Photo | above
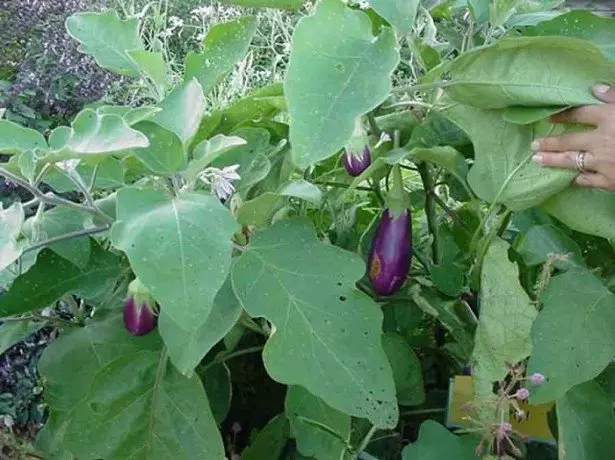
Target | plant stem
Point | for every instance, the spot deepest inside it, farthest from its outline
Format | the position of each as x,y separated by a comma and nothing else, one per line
51,198
235,354
367,439
397,105
456,217
422,412
412,88
373,125
249,324
342,185
67,236
376,189
430,210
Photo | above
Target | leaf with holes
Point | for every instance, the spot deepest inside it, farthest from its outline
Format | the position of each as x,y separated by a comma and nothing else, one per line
327,334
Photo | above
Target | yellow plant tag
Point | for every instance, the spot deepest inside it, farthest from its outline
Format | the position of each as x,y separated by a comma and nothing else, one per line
535,426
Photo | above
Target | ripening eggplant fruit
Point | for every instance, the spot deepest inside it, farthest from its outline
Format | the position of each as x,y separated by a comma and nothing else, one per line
357,155
391,252
355,163
140,310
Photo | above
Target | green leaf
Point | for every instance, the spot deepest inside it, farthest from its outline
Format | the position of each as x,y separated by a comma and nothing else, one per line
483,78
138,406
225,45
182,110
407,371
323,325
165,153
448,278
585,210
582,24
131,115
283,4
539,241
321,431
59,221
302,189
217,383
270,442
192,236
11,220
521,115
53,276
207,151
211,329
258,211
449,158
12,333
505,322
107,38
437,443
573,338
94,134
338,71
503,171
437,130
586,422
152,65
479,10
15,138
109,175
401,14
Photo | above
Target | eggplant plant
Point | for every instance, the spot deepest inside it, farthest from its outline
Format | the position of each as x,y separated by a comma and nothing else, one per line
294,276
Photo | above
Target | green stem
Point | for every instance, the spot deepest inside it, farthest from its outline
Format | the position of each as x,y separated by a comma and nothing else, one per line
420,87
250,325
422,412
367,439
456,217
373,125
59,321
67,236
235,354
430,210
376,189
342,185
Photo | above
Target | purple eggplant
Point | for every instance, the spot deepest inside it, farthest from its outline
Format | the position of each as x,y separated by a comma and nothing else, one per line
391,252
140,310
355,164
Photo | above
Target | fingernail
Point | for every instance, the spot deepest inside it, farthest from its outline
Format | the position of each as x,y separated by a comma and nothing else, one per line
536,146
537,159
602,89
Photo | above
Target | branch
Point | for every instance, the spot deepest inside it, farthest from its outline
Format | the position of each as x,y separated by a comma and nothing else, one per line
67,236
430,210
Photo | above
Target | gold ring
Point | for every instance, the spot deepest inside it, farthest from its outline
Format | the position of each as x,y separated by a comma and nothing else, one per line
580,161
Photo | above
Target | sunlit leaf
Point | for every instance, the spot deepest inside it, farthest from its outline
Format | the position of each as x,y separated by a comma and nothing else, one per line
407,370
437,443
15,138
399,13
11,220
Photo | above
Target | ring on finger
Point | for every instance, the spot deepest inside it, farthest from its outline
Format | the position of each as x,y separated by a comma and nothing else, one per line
580,161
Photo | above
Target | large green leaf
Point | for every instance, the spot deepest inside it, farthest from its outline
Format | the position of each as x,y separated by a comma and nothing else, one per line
506,317
449,158
585,210
224,46
586,423
217,383
502,169
59,221
109,175
95,134
338,71
327,334
581,24
12,333
15,138
437,443
53,276
284,4
182,110
511,72
207,151
401,14
107,38
151,65
538,242
127,402
180,248
11,220
407,370
270,441
314,423
165,153
573,338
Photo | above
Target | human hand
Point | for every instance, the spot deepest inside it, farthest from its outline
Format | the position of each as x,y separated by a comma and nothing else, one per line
596,147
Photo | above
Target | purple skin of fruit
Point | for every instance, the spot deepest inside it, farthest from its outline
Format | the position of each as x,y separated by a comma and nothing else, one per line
391,251
355,165
138,321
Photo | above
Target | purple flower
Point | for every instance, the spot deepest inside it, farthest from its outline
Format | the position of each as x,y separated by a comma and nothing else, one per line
140,312
221,180
503,430
357,162
522,394
537,379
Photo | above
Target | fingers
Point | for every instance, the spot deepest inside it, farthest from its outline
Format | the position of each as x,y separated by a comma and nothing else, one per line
585,115
592,180
605,93
566,160
564,143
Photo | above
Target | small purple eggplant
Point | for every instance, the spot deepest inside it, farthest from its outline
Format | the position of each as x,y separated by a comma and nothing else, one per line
140,310
355,164
389,258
